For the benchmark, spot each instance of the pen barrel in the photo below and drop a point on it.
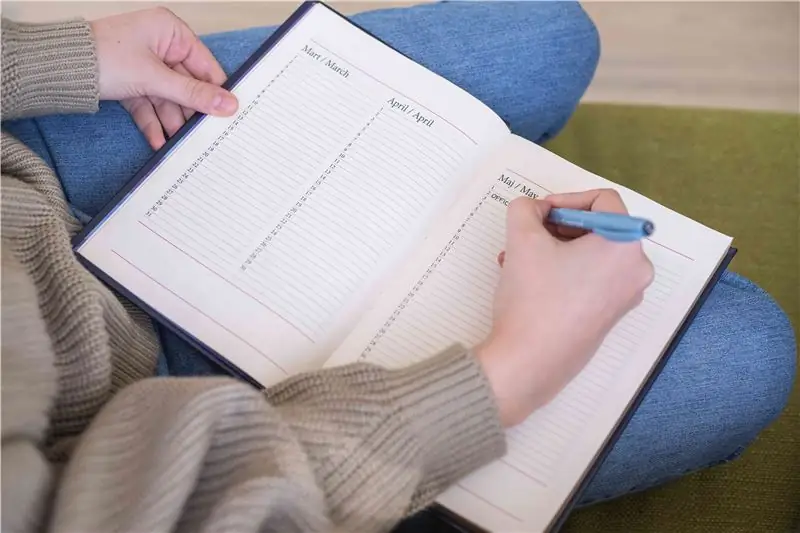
(600, 221)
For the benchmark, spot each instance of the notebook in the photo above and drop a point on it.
(353, 210)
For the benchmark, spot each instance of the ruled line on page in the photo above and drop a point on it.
(487, 502)
(650, 239)
(151, 278)
(524, 473)
(223, 278)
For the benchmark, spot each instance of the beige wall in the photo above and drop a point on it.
(719, 54)
(203, 17)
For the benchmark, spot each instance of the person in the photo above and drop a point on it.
(93, 441)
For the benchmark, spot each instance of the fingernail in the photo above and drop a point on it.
(225, 103)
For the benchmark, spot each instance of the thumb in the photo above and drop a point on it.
(526, 215)
(192, 93)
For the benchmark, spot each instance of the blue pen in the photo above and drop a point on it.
(612, 226)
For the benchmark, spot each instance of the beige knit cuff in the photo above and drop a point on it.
(384, 443)
(452, 411)
(48, 68)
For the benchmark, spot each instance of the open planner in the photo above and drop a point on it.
(353, 210)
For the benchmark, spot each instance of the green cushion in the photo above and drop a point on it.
(737, 172)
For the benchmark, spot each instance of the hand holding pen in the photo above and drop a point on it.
(560, 292)
(613, 226)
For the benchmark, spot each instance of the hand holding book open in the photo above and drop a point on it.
(159, 70)
(556, 300)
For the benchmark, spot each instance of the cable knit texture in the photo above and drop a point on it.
(92, 443)
(48, 68)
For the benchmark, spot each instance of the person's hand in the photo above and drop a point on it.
(159, 70)
(558, 297)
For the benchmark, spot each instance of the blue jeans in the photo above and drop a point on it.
(531, 62)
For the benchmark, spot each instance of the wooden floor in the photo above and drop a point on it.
(714, 54)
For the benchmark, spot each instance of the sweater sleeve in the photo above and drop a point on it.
(48, 68)
(354, 448)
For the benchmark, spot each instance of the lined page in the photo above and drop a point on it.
(454, 303)
(329, 242)
(263, 234)
(219, 203)
(448, 294)
(348, 220)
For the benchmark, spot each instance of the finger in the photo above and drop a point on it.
(187, 49)
(526, 215)
(524, 221)
(145, 118)
(564, 232)
(169, 114)
(202, 64)
(192, 93)
(607, 200)
(180, 69)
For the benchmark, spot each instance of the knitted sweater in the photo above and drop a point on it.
(91, 442)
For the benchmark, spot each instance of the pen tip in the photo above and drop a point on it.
(649, 228)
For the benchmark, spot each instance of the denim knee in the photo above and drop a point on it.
(529, 61)
(554, 85)
(764, 351)
(729, 378)
(584, 54)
